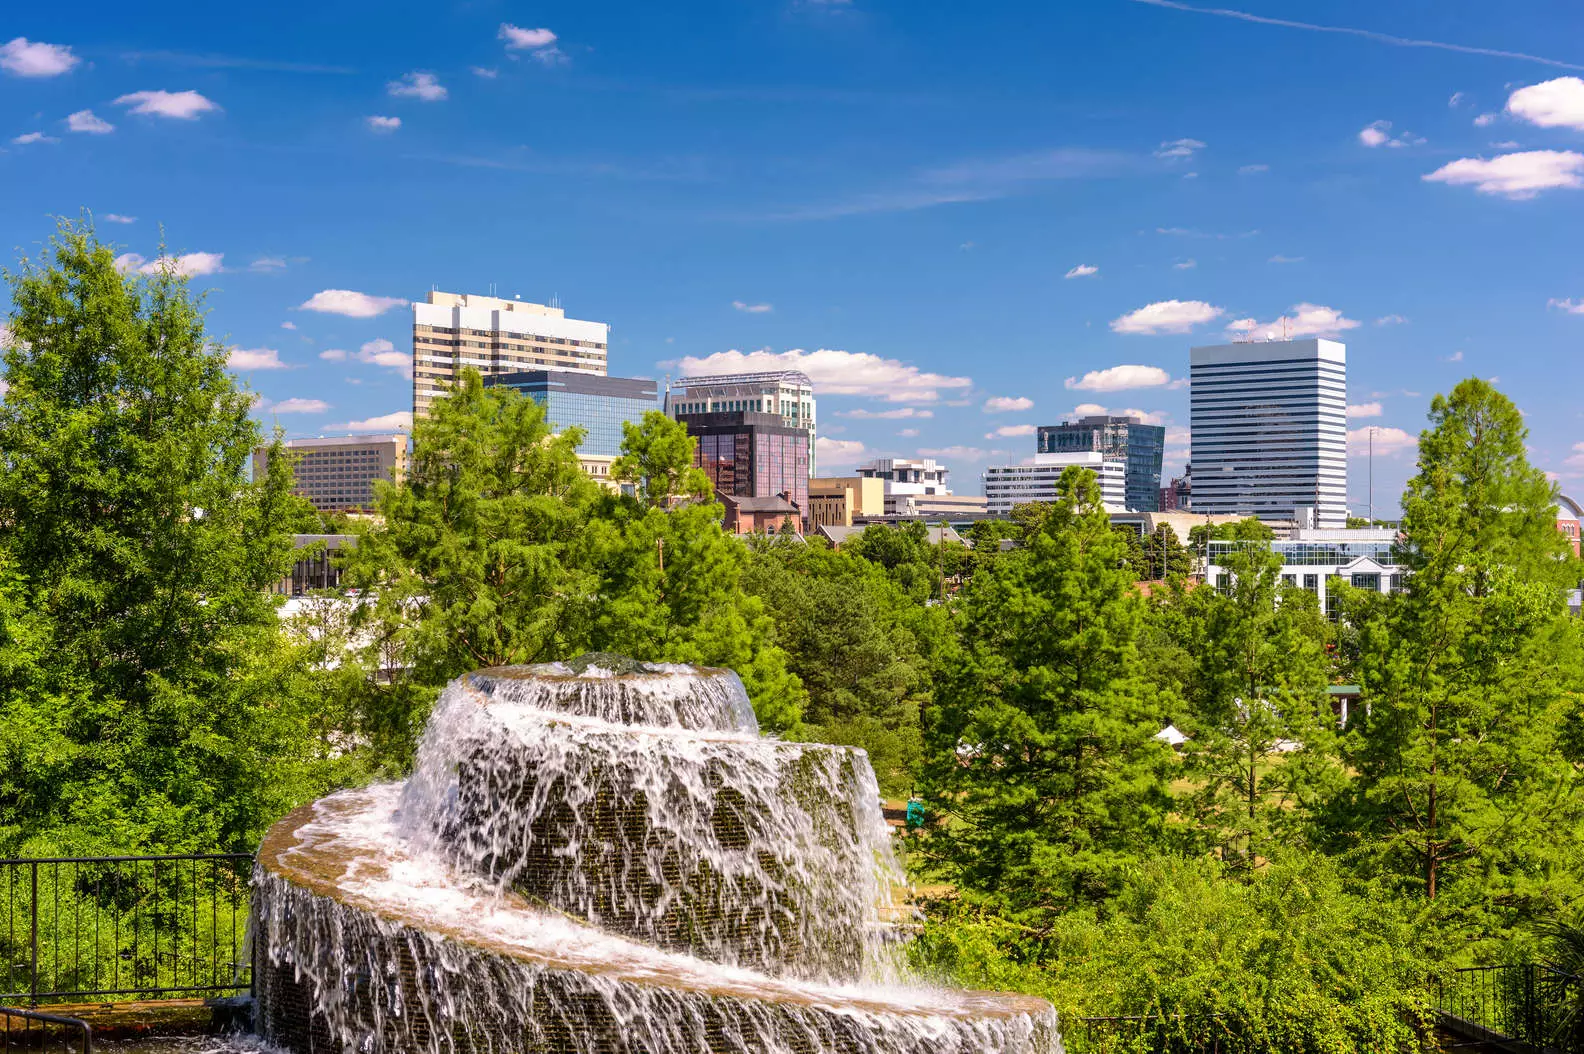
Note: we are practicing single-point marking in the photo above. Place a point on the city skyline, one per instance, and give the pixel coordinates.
(960, 231)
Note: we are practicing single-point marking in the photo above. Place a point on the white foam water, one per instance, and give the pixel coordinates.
(597, 860)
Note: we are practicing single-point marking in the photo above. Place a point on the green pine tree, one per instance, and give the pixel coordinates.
(1045, 777)
(140, 702)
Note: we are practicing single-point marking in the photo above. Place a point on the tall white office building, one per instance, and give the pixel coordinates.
(493, 335)
(1007, 486)
(1269, 424)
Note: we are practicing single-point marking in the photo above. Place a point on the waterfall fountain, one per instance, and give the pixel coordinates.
(604, 856)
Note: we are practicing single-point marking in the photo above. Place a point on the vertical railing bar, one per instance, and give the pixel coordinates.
(33, 937)
(55, 960)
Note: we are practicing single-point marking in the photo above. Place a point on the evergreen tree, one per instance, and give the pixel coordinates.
(1043, 760)
(1262, 738)
(481, 558)
(1464, 783)
(671, 576)
(1164, 556)
(139, 702)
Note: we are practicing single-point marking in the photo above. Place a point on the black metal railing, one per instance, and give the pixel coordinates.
(1522, 1003)
(132, 926)
(32, 1030)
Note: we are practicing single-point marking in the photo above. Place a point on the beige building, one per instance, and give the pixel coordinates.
(337, 474)
(494, 335)
(835, 500)
(936, 506)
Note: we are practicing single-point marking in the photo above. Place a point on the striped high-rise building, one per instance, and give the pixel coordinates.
(495, 335)
(1269, 431)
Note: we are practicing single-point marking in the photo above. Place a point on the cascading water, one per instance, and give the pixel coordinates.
(604, 856)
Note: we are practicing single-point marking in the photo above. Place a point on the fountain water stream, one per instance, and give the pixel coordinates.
(605, 856)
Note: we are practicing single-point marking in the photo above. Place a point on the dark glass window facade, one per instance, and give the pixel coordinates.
(1139, 446)
(751, 455)
(598, 405)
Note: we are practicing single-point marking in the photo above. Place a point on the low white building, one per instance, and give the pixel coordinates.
(1035, 480)
(906, 479)
(1314, 559)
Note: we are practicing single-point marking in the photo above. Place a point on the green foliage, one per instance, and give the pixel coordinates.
(1262, 739)
(1464, 768)
(1289, 960)
(919, 568)
(657, 456)
(141, 703)
(1042, 754)
(852, 637)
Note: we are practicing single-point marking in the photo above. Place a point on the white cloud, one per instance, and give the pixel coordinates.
(1119, 378)
(1391, 320)
(540, 43)
(1148, 417)
(1388, 441)
(187, 265)
(1576, 459)
(909, 433)
(1185, 265)
(254, 359)
(1167, 316)
(333, 354)
(1375, 134)
(417, 85)
(1178, 149)
(1249, 170)
(377, 123)
(1364, 410)
(955, 453)
(34, 137)
(518, 39)
(116, 217)
(1082, 271)
(1378, 133)
(1456, 356)
(351, 304)
(288, 325)
(400, 421)
(485, 72)
(1507, 144)
(752, 309)
(834, 372)
(1001, 404)
(381, 352)
(1484, 120)
(1306, 320)
(87, 121)
(22, 57)
(1555, 103)
(299, 406)
(268, 264)
(898, 414)
(178, 105)
(1516, 176)
(1280, 259)
(1007, 431)
(838, 451)
(1457, 97)
(1571, 306)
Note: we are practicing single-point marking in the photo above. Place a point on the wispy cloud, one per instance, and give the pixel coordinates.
(177, 105)
(417, 85)
(980, 179)
(834, 372)
(240, 62)
(1516, 176)
(1082, 271)
(378, 123)
(752, 309)
(87, 121)
(400, 421)
(898, 414)
(1365, 34)
(1003, 404)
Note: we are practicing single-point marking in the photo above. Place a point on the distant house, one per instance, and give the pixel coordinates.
(755, 515)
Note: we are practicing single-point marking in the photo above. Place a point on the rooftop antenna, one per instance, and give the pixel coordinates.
(1372, 475)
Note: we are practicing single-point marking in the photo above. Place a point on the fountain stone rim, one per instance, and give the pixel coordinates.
(289, 852)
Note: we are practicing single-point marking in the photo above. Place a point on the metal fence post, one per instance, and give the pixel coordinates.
(33, 936)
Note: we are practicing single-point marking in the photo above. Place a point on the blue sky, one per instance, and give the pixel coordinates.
(891, 194)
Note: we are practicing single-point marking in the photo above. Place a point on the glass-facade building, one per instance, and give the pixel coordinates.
(1140, 448)
(786, 394)
(596, 404)
(752, 455)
